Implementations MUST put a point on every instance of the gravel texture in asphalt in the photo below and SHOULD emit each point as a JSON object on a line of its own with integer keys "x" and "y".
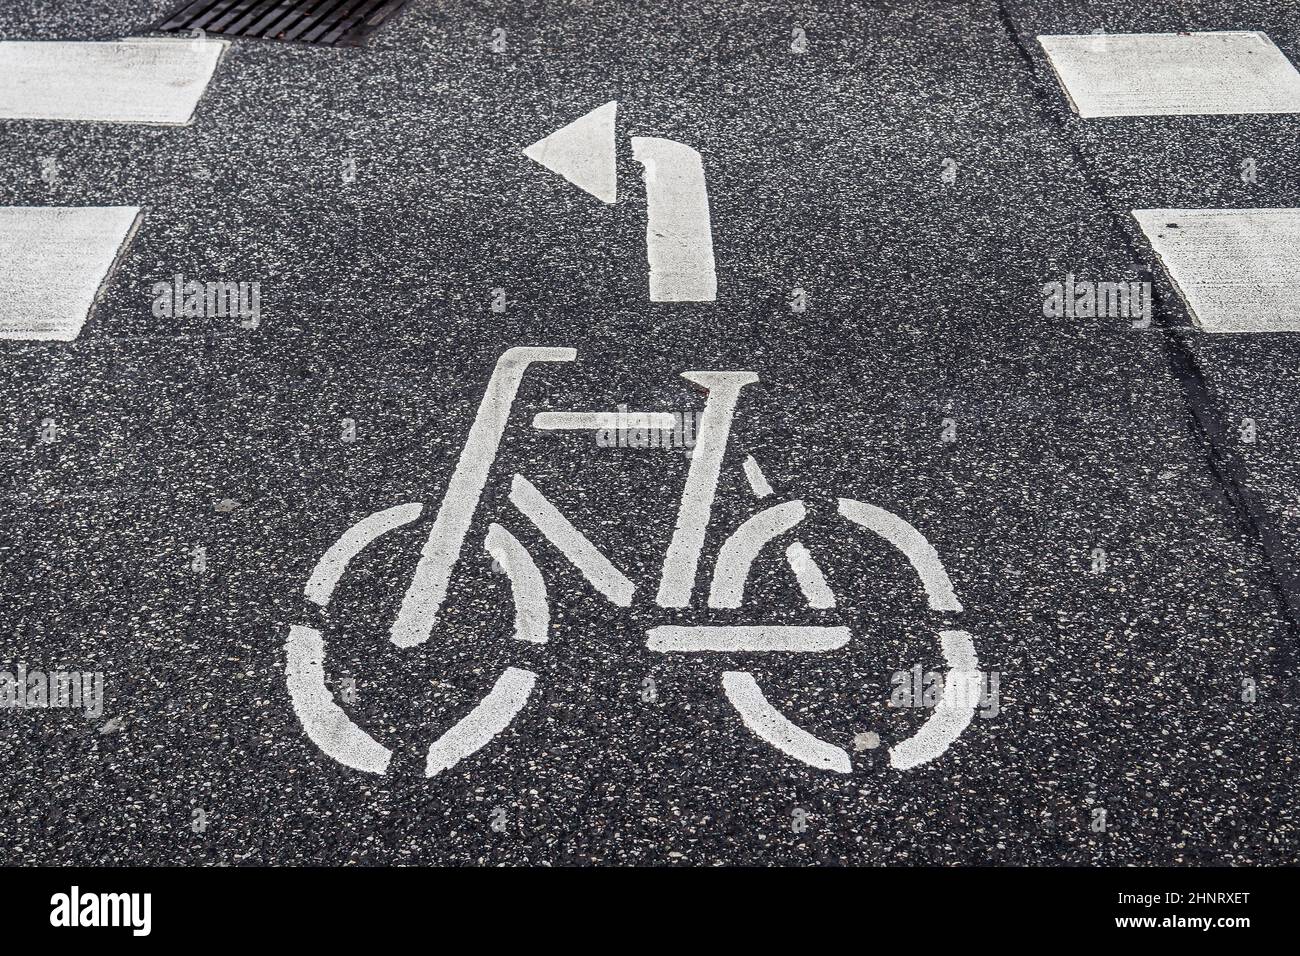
{"x": 168, "y": 484}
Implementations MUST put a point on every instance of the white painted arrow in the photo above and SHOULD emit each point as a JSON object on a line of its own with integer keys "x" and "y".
{"x": 583, "y": 152}
{"x": 679, "y": 236}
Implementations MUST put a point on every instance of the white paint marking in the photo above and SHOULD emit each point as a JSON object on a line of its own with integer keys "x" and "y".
{"x": 595, "y": 421}
{"x": 736, "y": 638}
{"x": 490, "y": 717}
{"x": 811, "y": 580}
{"x": 325, "y": 722}
{"x": 1172, "y": 74}
{"x": 428, "y": 587}
{"x": 682, "y": 560}
{"x": 583, "y": 152}
{"x": 679, "y": 237}
{"x": 757, "y": 480}
{"x": 771, "y": 725}
{"x": 53, "y": 263}
{"x": 742, "y": 547}
{"x": 329, "y": 569}
{"x": 571, "y": 542}
{"x": 532, "y": 614}
{"x": 1238, "y": 270}
{"x": 954, "y": 711}
{"x": 922, "y": 555}
{"x": 157, "y": 81}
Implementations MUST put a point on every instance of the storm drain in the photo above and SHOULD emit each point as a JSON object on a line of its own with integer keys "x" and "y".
{"x": 323, "y": 22}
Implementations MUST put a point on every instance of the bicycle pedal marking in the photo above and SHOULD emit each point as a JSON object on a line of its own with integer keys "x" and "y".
{"x": 330, "y": 728}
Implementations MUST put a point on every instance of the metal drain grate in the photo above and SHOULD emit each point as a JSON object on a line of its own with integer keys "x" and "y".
{"x": 323, "y": 22}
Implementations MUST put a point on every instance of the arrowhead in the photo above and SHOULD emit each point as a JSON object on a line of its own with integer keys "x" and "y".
{"x": 583, "y": 152}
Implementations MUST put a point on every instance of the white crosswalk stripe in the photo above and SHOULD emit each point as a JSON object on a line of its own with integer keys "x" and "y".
{"x": 57, "y": 259}
{"x": 142, "y": 80}
{"x": 1158, "y": 74}
{"x": 1238, "y": 270}
{"x": 55, "y": 262}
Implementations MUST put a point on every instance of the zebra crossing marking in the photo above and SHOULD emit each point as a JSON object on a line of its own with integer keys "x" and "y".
{"x": 56, "y": 260}
{"x": 1173, "y": 74}
{"x": 1238, "y": 270}
{"x": 138, "y": 80}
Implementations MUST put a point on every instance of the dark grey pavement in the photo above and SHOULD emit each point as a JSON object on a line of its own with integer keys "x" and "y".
{"x": 1098, "y": 540}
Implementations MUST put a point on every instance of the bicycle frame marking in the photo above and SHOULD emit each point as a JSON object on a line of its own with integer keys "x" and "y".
{"x": 809, "y": 577}
{"x": 597, "y": 421}
{"x": 735, "y": 638}
{"x": 330, "y": 728}
{"x": 571, "y": 542}
{"x": 428, "y": 588}
{"x": 757, "y": 480}
{"x": 683, "y": 557}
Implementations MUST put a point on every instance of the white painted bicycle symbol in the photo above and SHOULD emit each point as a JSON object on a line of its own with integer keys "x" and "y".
{"x": 338, "y": 736}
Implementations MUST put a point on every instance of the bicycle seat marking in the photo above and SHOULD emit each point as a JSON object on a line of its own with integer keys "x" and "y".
{"x": 329, "y": 727}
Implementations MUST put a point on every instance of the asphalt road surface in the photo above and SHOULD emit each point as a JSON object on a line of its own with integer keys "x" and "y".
{"x": 889, "y": 188}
